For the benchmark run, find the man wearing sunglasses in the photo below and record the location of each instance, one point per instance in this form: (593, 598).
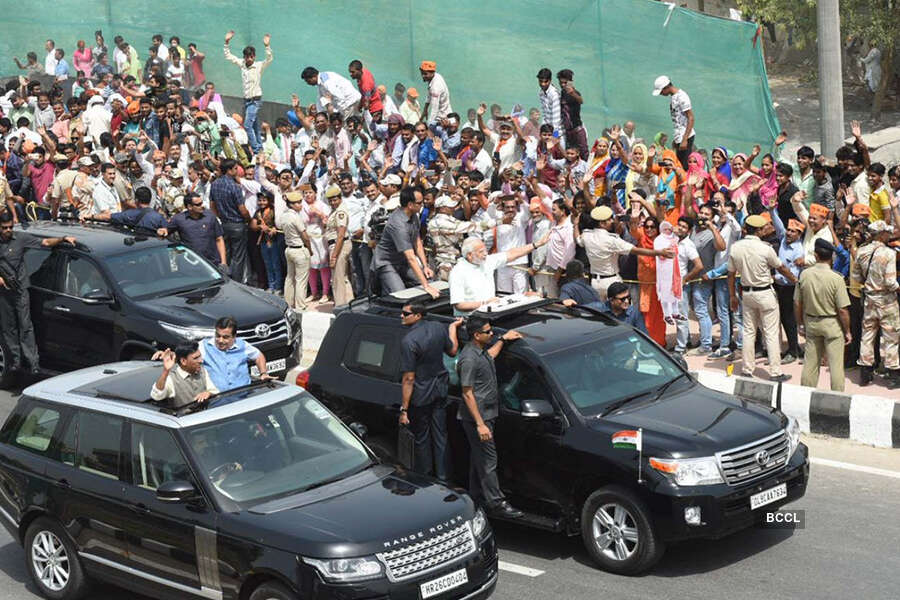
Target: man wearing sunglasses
(619, 306)
(15, 315)
(478, 378)
(199, 230)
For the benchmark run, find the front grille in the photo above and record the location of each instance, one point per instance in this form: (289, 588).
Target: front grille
(429, 554)
(740, 465)
(276, 330)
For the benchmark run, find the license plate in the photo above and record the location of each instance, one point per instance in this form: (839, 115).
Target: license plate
(273, 367)
(442, 584)
(768, 497)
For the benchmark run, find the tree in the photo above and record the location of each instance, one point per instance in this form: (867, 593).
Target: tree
(874, 21)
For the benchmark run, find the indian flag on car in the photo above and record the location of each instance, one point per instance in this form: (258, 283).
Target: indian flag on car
(628, 439)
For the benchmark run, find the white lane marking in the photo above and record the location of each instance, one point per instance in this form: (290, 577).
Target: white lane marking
(514, 568)
(851, 467)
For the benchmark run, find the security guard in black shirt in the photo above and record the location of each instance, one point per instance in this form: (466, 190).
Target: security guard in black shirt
(15, 315)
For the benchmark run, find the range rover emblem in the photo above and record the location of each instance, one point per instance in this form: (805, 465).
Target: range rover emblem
(262, 330)
(762, 458)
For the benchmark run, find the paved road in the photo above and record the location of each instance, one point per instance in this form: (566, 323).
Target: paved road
(848, 549)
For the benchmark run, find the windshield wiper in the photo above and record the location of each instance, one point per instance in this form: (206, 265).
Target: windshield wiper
(620, 403)
(662, 389)
(337, 477)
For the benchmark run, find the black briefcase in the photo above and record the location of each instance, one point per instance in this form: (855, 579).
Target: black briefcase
(406, 447)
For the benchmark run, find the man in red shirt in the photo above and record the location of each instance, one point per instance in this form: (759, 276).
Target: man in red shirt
(371, 100)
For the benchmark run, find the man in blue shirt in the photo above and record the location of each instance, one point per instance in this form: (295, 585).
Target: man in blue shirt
(226, 199)
(142, 217)
(620, 307)
(225, 357)
(61, 71)
(790, 248)
(199, 230)
(577, 291)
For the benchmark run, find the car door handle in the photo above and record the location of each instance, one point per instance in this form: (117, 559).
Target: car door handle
(63, 483)
(141, 508)
(63, 309)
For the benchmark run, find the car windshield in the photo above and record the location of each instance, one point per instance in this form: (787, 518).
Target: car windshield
(161, 270)
(601, 373)
(277, 450)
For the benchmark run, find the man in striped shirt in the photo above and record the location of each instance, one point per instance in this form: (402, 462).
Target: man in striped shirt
(549, 97)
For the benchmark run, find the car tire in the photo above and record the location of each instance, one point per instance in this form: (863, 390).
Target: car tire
(383, 448)
(53, 562)
(273, 591)
(7, 375)
(618, 531)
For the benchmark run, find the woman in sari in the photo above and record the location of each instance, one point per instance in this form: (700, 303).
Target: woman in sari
(594, 175)
(670, 183)
(611, 175)
(743, 181)
(721, 166)
(644, 232)
(639, 175)
(700, 185)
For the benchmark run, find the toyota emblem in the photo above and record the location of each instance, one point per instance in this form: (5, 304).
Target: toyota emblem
(762, 458)
(262, 331)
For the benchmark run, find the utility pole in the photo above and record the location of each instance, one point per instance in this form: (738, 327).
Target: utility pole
(831, 88)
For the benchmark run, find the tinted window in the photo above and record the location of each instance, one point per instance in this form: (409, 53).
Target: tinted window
(40, 266)
(36, 429)
(517, 381)
(374, 351)
(68, 441)
(161, 270)
(155, 457)
(98, 444)
(82, 276)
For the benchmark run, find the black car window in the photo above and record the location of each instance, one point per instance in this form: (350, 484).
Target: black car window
(155, 457)
(517, 381)
(36, 430)
(373, 351)
(41, 268)
(99, 437)
(68, 441)
(82, 276)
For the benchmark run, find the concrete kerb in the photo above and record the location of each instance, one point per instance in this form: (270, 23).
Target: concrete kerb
(866, 419)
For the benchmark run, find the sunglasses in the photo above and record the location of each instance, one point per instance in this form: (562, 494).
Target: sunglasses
(6, 227)
(622, 298)
(651, 226)
(407, 313)
(488, 332)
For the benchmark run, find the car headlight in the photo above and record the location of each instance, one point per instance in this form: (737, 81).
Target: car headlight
(793, 436)
(690, 471)
(347, 569)
(189, 333)
(479, 523)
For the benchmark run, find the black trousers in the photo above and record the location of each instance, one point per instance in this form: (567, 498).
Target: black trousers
(851, 353)
(17, 330)
(236, 249)
(484, 486)
(428, 425)
(684, 154)
(360, 261)
(785, 295)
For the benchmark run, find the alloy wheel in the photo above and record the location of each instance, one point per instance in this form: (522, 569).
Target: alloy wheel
(615, 532)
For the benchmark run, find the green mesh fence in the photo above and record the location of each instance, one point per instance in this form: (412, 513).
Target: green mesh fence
(486, 50)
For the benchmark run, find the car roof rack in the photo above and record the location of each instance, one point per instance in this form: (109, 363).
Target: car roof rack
(511, 305)
(418, 294)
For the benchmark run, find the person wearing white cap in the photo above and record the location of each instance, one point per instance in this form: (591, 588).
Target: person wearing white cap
(447, 232)
(96, 119)
(876, 270)
(682, 117)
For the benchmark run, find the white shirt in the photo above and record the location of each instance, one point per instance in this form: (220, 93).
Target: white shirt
(687, 254)
(475, 283)
(97, 121)
(120, 59)
(550, 109)
(484, 164)
(730, 232)
(337, 91)
(679, 104)
(390, 107)
(861, 189)
(50, 63)
(105, 198)
(438, 98)
(510, 151)
(251, 77)
(512, 235)
(175, 72)
(603, 250)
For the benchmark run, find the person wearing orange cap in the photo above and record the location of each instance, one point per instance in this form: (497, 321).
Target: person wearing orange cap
(438, 105)
(814, 219)
(410, 109)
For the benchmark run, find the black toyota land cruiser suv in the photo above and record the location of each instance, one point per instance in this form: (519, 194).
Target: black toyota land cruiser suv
(577, 394)
(120, 295)
(262, 494)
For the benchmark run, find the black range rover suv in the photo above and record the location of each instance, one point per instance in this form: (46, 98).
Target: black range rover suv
(118, 295)
(575, 395)
(262, 495)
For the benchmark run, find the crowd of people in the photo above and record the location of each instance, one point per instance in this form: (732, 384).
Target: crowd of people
(364, 191)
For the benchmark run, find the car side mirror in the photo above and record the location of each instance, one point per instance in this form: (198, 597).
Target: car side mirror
(359, 429)
(176, 491)
(536, 409)
(97, 297)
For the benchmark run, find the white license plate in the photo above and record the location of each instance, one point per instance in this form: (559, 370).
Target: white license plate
(768, 497)
(442, 584)
(272, 366)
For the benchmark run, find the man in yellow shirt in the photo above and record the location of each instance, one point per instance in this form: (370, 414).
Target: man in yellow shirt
(879, 198)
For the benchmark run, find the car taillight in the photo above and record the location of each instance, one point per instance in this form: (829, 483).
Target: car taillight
(303, 378)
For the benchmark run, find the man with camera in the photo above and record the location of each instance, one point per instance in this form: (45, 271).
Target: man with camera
(15, 316)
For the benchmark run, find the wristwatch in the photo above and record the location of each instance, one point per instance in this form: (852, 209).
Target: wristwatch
(403, 410)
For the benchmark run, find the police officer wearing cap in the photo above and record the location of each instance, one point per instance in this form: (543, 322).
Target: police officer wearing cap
(603, 247)
(821, 303)
(753, 260)
(297, 251)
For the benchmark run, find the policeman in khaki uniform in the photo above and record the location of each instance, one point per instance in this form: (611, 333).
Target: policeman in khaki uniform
(753, 260)
(338, 247)
(296, 252)
(447, 233)
(821, 303)
(876, 270)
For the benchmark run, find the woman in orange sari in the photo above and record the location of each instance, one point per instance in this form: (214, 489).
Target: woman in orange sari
(645, 231)
(671, 180)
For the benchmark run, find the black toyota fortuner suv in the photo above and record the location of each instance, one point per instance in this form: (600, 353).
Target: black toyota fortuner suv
(575, 394)
(121, 295)
(263, 494)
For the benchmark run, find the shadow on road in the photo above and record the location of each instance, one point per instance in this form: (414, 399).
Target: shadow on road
(13, 566)
(542, 544)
